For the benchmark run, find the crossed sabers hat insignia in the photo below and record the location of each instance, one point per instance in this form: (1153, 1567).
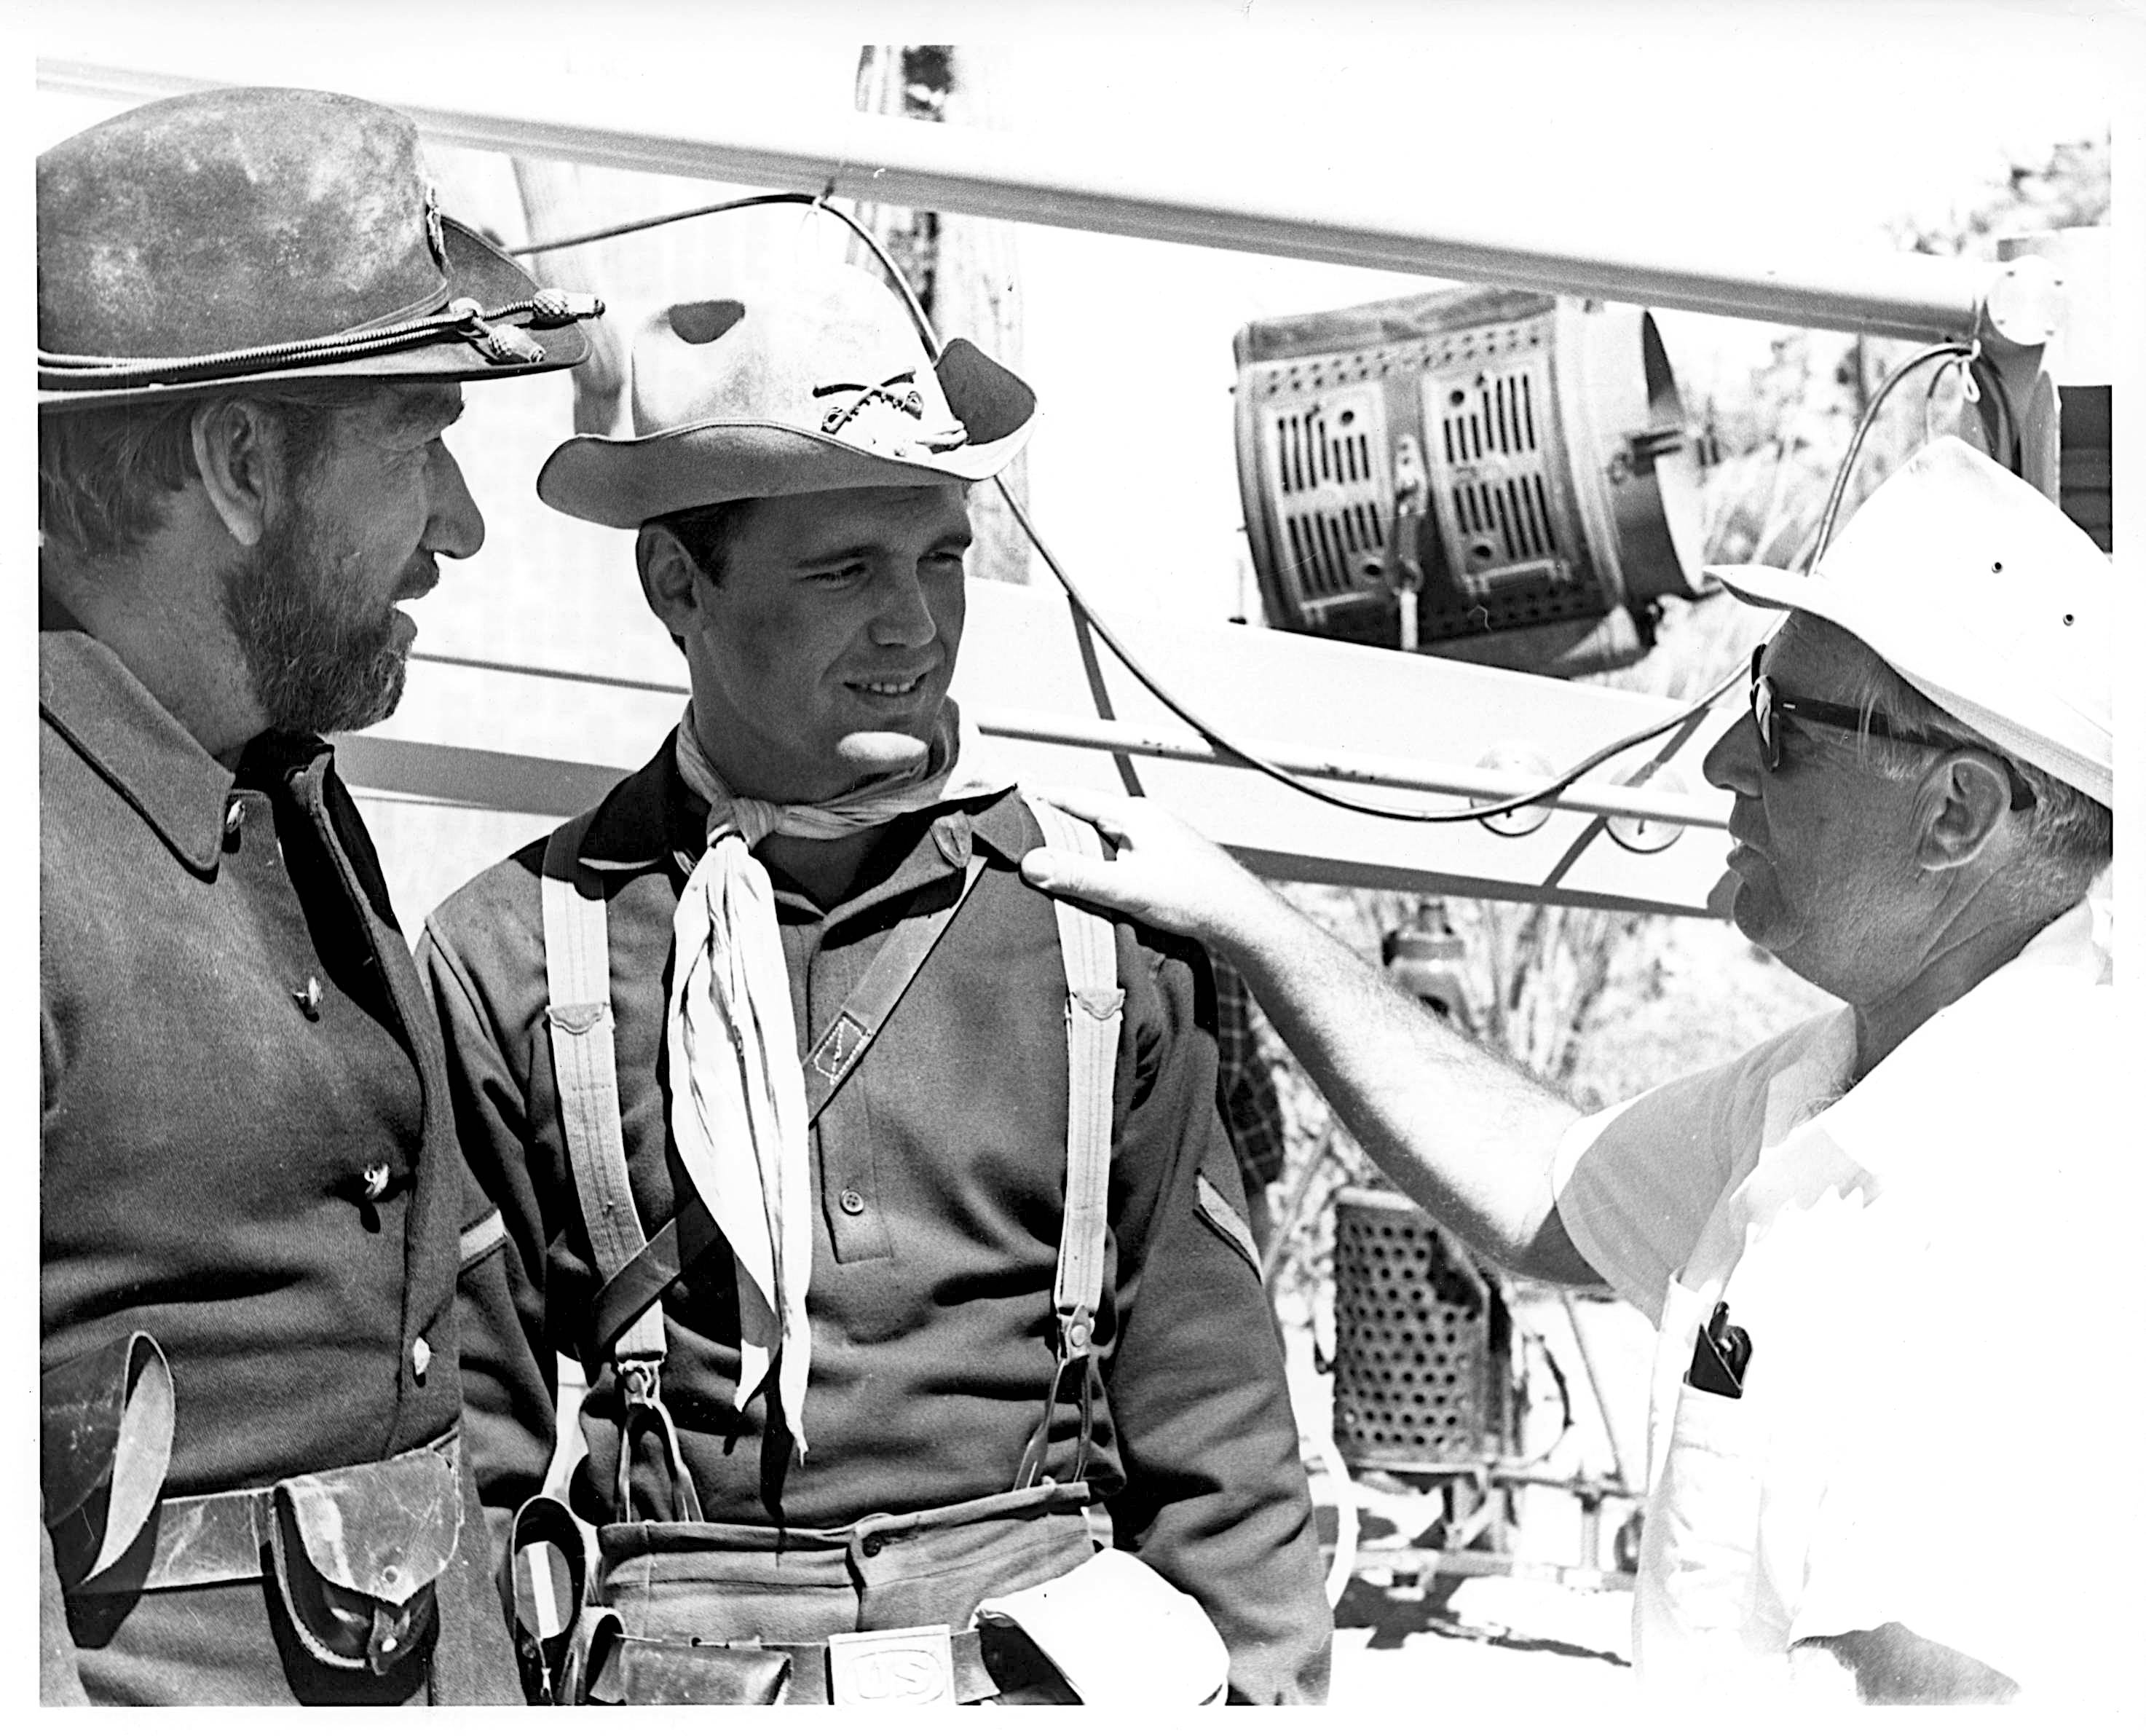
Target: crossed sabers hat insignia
(910, 403)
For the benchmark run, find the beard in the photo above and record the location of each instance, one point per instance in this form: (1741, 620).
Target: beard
(321, 659)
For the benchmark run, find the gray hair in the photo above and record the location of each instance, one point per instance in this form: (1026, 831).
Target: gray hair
(105, 476)
(2070, 836)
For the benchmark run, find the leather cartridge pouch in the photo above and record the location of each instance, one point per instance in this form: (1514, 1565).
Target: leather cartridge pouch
(1120, 1633)
(357, 1552)
(609, 1667)
(108, 1418)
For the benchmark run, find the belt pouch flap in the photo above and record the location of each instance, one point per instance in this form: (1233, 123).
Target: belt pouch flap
(686, 1673)
(107, 1421)
(1120, 1633)
(358, 1549)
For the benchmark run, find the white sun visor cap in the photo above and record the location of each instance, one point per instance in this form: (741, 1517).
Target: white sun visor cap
(1982, 594)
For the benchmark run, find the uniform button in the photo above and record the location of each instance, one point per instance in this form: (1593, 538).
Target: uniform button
(420, 1357)
(234, 817)
(853, 1202)
(375, 1180)
(309, 997)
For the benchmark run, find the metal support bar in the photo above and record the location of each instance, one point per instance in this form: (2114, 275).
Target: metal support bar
(1473, 782)
(1530, 237)
(1477, 1563)
(1595, 1385)
(519, 783)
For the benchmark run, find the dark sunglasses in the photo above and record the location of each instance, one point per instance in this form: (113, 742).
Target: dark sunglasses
(1769, 706)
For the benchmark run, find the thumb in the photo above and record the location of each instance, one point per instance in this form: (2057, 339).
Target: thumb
(1107, 812)
(1059, 871)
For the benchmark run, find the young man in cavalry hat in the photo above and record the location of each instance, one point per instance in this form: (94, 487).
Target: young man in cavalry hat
(884, 1338)
(1885, 1247)
(252, 322)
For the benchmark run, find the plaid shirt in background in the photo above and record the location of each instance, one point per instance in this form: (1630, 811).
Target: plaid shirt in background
(1244, 1084)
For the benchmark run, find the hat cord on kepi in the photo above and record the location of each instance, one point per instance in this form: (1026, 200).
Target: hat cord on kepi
(1681, 722)
(483, 328)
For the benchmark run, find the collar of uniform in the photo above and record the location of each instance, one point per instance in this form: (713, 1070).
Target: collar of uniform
(940, 849)
(653, 812)
(1005, 827)
(646, 815)
(114, 722)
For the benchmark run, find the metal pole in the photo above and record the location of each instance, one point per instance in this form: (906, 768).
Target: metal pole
(1056, 730)
(1473, 782)
(1537, 238)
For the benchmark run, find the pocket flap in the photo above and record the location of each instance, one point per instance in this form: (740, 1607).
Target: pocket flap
(1120, 1633)
(386, 1530)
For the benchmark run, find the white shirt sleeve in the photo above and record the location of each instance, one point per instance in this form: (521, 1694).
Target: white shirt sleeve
(1635, 1184)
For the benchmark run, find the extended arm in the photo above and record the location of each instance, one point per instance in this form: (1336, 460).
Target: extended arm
(1467, 1136)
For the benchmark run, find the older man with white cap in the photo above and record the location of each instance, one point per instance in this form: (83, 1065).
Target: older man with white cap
(1833, 1231)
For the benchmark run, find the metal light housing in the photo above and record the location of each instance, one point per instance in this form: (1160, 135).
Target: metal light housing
(1489, 474)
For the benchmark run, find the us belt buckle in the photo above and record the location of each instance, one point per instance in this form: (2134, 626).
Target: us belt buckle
(893, 1666)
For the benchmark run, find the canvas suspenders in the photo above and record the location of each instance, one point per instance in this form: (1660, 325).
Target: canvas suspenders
(635, 1270)
(1095, 1008)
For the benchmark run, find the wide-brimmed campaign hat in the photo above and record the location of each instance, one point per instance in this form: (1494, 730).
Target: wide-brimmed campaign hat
(789, 383)
(256, 234)
(1987, 600)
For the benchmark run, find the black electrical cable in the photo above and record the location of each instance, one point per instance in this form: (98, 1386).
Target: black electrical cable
(1220, 742)
(562, 243)
(1216, 738)
(1863, 424)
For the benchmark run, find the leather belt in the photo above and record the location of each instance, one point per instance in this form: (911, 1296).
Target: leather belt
(207, 1540)
(663, 1671)
(201, 1540)
(977, 1675)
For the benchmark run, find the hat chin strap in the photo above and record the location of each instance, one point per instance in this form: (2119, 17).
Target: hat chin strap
(483, 328)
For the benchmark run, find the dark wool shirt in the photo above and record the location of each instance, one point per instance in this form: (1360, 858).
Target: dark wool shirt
(232, 1034)
(940, 1171)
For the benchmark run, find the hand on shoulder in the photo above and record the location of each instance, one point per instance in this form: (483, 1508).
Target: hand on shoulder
(1164, 873)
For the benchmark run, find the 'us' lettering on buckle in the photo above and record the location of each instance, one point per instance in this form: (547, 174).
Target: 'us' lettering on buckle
(894, 1667)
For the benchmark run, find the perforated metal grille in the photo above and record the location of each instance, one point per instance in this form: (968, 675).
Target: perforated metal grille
(1411, 1341)
(1490, 461)
(1328, 457)
(1513, 553)
(1504, 518)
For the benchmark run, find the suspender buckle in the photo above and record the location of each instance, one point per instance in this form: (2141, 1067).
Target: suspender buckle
(1076, 1332)
(642, 1381)
(640, 1378)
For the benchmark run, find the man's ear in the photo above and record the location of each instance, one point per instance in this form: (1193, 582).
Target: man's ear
(1964, 800)
(238, 451)
(670, 578)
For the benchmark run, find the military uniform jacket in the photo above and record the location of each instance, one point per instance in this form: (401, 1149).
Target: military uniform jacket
(940, 1174)
(232, 1036)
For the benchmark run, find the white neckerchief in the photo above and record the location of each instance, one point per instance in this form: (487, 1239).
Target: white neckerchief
(737, 1092)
